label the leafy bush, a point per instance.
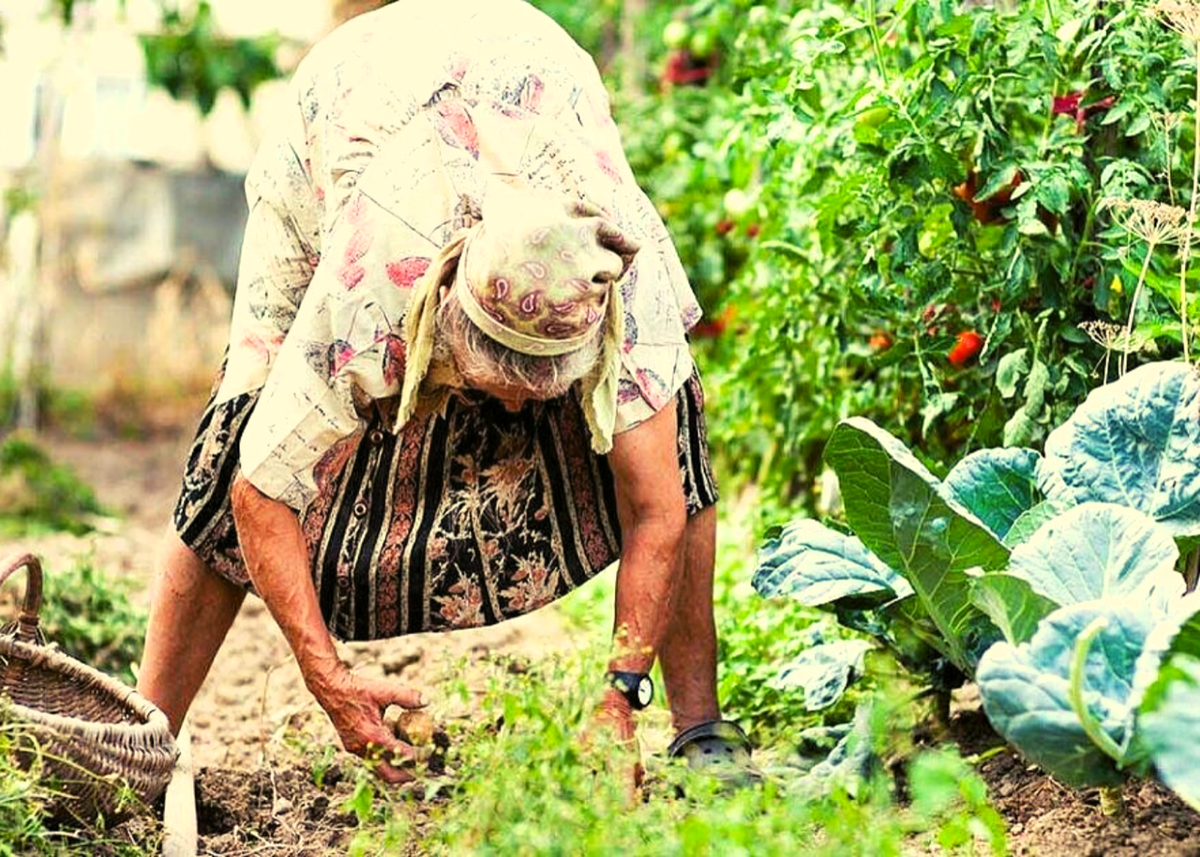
(91, 617)
(36, 494)
(191, 61)
(898, 211)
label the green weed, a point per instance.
(37, 495)
(90, 616)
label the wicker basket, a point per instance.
(95, 735)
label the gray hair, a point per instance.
(459, 339)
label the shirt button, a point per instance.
(360, 509)
(343, 583)
(376, 436)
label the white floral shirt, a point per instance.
(402, 118)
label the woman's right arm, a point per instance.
(276, 557)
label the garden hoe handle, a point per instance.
(180, 832)
(27, 622)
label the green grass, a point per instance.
(523, 781)
(38, 495)
(91, 616)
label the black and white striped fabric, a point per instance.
(470, 516)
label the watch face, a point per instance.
(645, 691)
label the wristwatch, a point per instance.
(637, 688)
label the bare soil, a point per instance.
(1046, 818)
(256, 731)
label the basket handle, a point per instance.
(27, 622)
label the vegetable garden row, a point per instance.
(940, 225)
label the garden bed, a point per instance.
(1046, 818)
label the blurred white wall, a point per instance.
(128, 290)
(109, 111)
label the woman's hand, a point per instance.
(278, 563)
(355, 705)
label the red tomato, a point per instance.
(968, 346)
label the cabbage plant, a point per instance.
(1018, 567)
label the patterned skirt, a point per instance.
(470, 516)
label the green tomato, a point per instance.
(702, 44)
(676, 34)
(873, 117)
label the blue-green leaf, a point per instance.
(899, 510)
(824, 672)
(1030, 522)
(1026, 689)
(1136, 442)
(997, 485)
(848, 764)
(817, 566)
(1098, 550)
(1011, 604)
(1170, 730)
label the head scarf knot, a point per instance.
(536, 276)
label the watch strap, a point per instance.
(637, 688)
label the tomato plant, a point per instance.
(846, 167)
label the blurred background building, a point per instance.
(122, 208)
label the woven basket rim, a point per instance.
(153, 718)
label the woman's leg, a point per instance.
(689, 652)
(190, 613)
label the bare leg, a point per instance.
(689, 652)
(190, 613)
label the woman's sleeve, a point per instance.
(344, 351)
(280, 250)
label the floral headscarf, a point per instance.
(539, 277)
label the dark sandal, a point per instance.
(718, 748)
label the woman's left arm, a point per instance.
(653, 515)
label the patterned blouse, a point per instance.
(402, 118)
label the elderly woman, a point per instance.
(458, 383)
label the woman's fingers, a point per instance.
(389, 693)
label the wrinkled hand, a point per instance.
(613, 721)
(355, 705)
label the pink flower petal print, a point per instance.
(263, 348)
(456, 127)
(356, 210)
(341, 352)
(407, 271)
(653, 389)
(604, 159)
(532, 92)
(358, 245)
(352, 275)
